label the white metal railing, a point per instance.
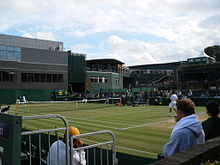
(97, 153)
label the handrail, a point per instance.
(50, 130)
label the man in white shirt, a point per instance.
(172, 104)
(57, 152)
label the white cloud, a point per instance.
(40, 35)
(131, 52)
(77, 48)
(188, 26)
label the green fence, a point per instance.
(10, 96)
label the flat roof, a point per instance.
(105, 61)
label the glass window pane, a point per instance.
(2, 47)
(11, 56)
(10, 48)
(18, 56)
(2, 55)
(17, 49)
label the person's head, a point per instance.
(74, 131)
(185, 107)
(212, 108)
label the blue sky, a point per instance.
(132, 31)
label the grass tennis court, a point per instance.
(140, 131)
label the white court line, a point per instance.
(148, 124)
(96, 125)
(131, 149)
(114, 114)
(99, 121)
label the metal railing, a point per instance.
(106, 151)
(31, 153)
(95, 153)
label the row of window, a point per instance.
(201, 60)
(102, 80)
(32, 77)
(98, 79)
(38, 77)
(10, 53)
(153, 71)
(6, 76)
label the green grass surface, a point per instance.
(140, 131)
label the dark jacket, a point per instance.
(211, 127)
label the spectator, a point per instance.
(212, 124)
(24, 100)
(57, 152)
(187, 132)
(172, 104)
(190, 94)
(179, 94)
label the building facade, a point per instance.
(104, 75)
(31, 67)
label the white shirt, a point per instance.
(173, 98)
(58, 155)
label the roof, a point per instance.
(155, 65)
(201, 55)
(105, 61)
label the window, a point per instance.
(117, 81)
(48, 77)
(11, 56)
(10, 53)
(30, 77)
(190, 60)
(3, 55)
(60, 78)
(198, 60)
(55, 78)
(204, 59)
(5, 76)
(105, 80)
(39, 77)
(3, 48)
(42, 77)
(24, 77)
(92, 79)
(36, 77)
(98, 79)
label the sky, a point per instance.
(135, 32)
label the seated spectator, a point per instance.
(212, 124)
(187, 132)
(57, 152)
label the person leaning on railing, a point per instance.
(57, 152)
(187, 132)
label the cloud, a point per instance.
(81, 47)
(186, 27)
(211, 22)
(40, 35)
(131, 52)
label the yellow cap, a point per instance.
(73, 131)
